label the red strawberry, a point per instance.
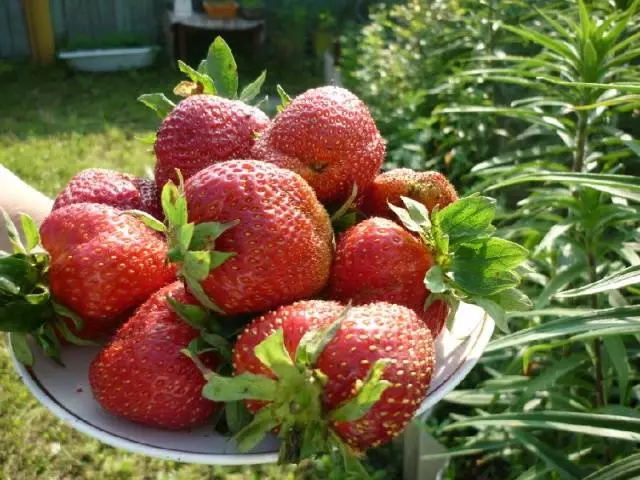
(142, 374)
(379, 261)
(317, 384)
(282, 243)
(120, 190)
(202, 130)
(103, 263)
(432, 189)
(326, 135)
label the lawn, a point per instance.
(52, 124)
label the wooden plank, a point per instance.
(18, 28)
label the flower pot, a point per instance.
(251, 13)
(221, 10)
(110, 59)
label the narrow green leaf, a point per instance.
(30, 230)
(434, 280)
(246, 386)
(174, 205)
(495, 311)
(624, 469)
(252, 90)
(149, 220)
(250, 436)
(616, 281)
(346, 206)
(206, 233)
(21, 316)
(417, 211)
(560, 280)
(197, 291)
(196, 264)
(184, 234)
(314, 341)
(405, 217)
(273, 354)
(543, 40)
(476, 448)
(222, 68)
(157, 102)
(511, 300)
(617, 353)
(12, 233)
(368, 393)
(194, 315)
(237, 416)
(285, 99)
(66, 312)
(219, 344)
(21, 348)
(8, 287)
(62, 327)
(467, 218)
(552, 373)
(199, 77)
(553, 458)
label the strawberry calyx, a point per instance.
(191, 246)
(293, 396)
(217, 74)
(27, 306)
(471, 265)
(346, 216)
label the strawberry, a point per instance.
(143, 376)
(432, 189)
(379, 261)
(324, 375)
(259, 237)
(103, 263)
(202, 130)
(120, 190)
(328, 136)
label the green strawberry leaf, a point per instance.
(273, 354)
(21, 349)
(512, 300)
(202, 67)
(23, 317)
(406, 219)
(246, 386)
(12, 233)
(237, 416)
(252, 90)
(149, 220)
(8, 287)
(251, 435)
(218, 258)
(184, 235)
(467, 218)
(197, 291)
(218, 343)
(206, 233)
(314, 341)
(314, 439)
(368, 393)
(194, 315)
(48, 340)
(222, 68)
(198, 77)
(30, 230)
(495, 311)
(285, 99)
(157, 102)
(435, 281)
(174, 205)
(417, 212)
(18, 271)
(62, 327)
(65, 312)
(197, 264)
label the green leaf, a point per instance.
(222, 68)
(610, 426)
(346, 206)
(218, 258)
(250, 436)
(273, 354)
(174, 205)
(495, 311)
(561, 279)
(198, 77)
(252, 90)
(65, 312)
(285, 99)
(219, 344)
(237, 416)
(21, 349)
(18, 271)
(157, 102)
(512, 299)
(194, 315)
(616, 281)
(434, 280)
(474, 448)
(12, 233)
(617, 353)
(62, 327)
(560, 464)
(246, 386)
(624, 469)
(31, 234)
(314, 341)
(184, 234)
(8, 287)
(544, 41)
(149, 220)
(552, 373)
(197, 265)
(417, 211)
(467, 218)
(368, 393)
(197, 291)
(406, 219)
(23, 317)
(206, 233)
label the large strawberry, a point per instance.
(450, 256)
(328, 376)
(258, 236)
(432, 189)
(328, 136)
(117, 189)
(379, 261)
(143, 375)
(202, 130)
(103, 263)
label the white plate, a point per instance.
(66, 393)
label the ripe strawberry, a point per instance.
(379, 261)
(103, 263)
(282, 245)
(143, 376)
(327, 136)
(315, 366)
(432, 189)
(202, 130)
(120, 190)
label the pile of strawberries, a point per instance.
(270, 267)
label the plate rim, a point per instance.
(486, 326)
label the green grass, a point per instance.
(52, 124)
